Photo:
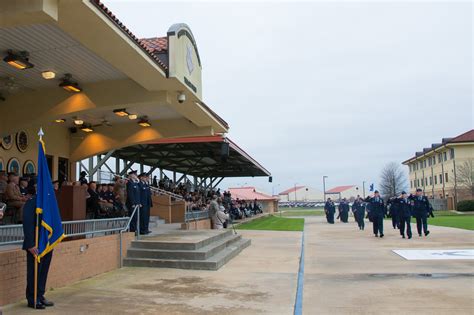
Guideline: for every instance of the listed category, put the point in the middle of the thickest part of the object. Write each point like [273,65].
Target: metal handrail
[13,234]
[165,192]
[127,227]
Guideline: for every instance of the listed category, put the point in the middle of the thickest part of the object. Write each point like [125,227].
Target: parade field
[274,223]
[460,221]
[302,212]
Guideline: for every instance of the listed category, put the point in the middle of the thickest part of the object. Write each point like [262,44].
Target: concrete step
[212,263]
[152,244]
[202,253]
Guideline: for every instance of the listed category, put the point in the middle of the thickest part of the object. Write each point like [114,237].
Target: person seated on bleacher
[14,197]
[93,205]
[3,183]
[24,190]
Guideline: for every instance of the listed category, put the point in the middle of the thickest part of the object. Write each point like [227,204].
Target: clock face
[189,59]
[7,142]
[22,141]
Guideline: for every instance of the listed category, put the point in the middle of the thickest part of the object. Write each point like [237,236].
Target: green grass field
[300,213]
[460,221]
[274,223]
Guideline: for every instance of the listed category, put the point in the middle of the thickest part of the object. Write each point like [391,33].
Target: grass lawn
[300,213]
[460,221]
[273,223]
[299,209]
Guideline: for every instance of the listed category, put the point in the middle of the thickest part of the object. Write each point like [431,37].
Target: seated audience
[14,197]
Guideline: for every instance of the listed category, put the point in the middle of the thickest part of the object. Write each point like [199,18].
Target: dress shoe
[427,232]
[376,235]
[39,306]
[381,235]
[409,237]
[149,232]
[419,235]
[46,303]
[403,236]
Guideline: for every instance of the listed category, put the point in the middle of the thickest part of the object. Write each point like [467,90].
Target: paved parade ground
[347,271]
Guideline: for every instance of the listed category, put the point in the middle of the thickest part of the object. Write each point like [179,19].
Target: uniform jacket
[344,207]
[330,207]
[421,205]
[133,194]
[29,223]
[404,207]
[377,208]
[145,195]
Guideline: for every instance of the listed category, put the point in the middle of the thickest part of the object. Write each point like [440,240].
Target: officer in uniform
[133,198]
[29,245]
[404,212]
[393,210]
[330,209]
[421,210]
[358,209]
[344,210]
[377,213]
[145,199]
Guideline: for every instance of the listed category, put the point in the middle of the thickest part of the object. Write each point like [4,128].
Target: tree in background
[465,176]
[392,180]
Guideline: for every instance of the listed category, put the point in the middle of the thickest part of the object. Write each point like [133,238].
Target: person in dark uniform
[330,210]
[358,209]
[344,210]
[393,211]
[145,200]
[29,245]
[377,213]
[404,214]
[421,210]
[133,198]
[82,178]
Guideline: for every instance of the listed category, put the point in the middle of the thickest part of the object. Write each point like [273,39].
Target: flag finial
[41,133]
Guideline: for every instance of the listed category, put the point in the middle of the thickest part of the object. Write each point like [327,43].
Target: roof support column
[219,181]
[91,167]
[126,168]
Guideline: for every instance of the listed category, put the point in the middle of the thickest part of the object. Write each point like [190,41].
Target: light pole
[324,186]
[273,189]
[295,192]
[363,189]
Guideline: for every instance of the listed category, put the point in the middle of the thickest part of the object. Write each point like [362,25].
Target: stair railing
[136,209]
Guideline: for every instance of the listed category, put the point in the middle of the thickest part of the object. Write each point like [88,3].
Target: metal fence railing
[13,234]
[196,215]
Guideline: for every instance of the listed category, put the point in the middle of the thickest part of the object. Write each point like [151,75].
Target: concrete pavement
[347,271]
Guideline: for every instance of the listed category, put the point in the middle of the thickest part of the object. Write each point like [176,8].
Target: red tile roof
[155,44]
[465,137]
[249,193]
[468,136]
[124,29]
[339,189]
[291,190]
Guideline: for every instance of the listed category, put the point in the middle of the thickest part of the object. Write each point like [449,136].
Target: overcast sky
[323,88]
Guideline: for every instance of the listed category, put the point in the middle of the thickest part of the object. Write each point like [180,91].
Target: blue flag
[50,228]
[371,187]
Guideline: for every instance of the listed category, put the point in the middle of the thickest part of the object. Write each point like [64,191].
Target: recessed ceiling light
[48,75]
[132,116]
[144,122]
[61,120]
[87,128]
[69,85]
[18,60]
[78,121]
[121,112]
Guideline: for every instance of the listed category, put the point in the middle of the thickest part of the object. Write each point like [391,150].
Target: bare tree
[392,180]
[465,176]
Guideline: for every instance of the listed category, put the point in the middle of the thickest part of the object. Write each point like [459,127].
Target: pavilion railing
[13,234]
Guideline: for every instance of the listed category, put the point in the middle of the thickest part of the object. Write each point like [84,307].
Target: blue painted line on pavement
[299,289]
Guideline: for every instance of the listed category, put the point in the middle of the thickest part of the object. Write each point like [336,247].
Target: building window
[426,181]
[409,167]
[440,178]
[446,177]
[451,153]
[434,159]
[445,156]
[440,158]
[429,161]
[431,180]
[411,184]
[424,163]
[436,180]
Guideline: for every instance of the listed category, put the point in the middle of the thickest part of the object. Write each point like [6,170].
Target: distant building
[301,194]
[436,169]
[349,192]
[249,194]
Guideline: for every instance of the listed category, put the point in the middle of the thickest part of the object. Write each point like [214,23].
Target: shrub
[466,205]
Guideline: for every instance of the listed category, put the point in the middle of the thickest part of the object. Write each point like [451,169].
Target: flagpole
[40,134]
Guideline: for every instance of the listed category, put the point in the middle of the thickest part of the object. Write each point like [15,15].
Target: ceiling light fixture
[78,121]
[69,85]
[18,60]
[48,75]
[144,122]
[60,120]
[132,116]
[87,128]
[122,112]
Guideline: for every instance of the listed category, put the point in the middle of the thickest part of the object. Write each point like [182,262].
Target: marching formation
[400,209]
